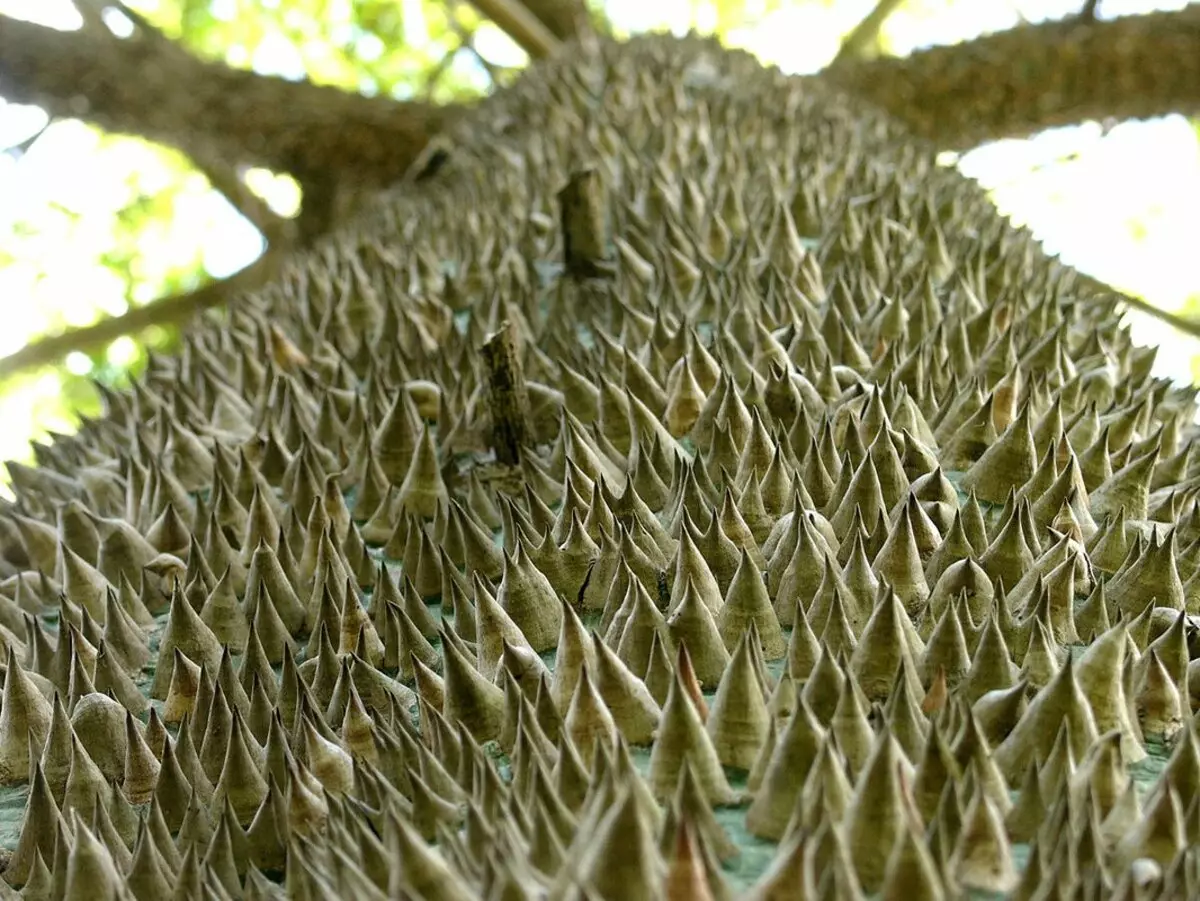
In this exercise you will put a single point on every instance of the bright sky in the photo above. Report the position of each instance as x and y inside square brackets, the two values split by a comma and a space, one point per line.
[1124, 206]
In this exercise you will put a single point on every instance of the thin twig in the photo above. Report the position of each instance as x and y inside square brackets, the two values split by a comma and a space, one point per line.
[467, 37]
[167, 311]
[866, 32]
[436, 73]
[443, 65]
[1102, 292]
[1180, 323]
[1061, 159]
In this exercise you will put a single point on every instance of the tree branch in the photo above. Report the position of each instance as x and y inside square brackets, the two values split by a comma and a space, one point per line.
[865, 33]
[1017, 82]
[91, 13]
[566, 19]
[515, 19]
[92, 9]
[166, 311]
[159, 91]
[1179, 323]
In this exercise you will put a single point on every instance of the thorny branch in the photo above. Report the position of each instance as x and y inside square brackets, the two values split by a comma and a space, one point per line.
[447, 60]
[1177, 322]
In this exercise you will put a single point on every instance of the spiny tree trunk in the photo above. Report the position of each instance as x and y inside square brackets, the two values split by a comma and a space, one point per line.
[874, 513]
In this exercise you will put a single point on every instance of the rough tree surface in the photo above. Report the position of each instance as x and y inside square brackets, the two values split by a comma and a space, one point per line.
[852, 549]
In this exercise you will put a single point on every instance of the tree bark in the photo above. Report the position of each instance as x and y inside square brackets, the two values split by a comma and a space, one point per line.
[1014, 83]
[159, 91]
